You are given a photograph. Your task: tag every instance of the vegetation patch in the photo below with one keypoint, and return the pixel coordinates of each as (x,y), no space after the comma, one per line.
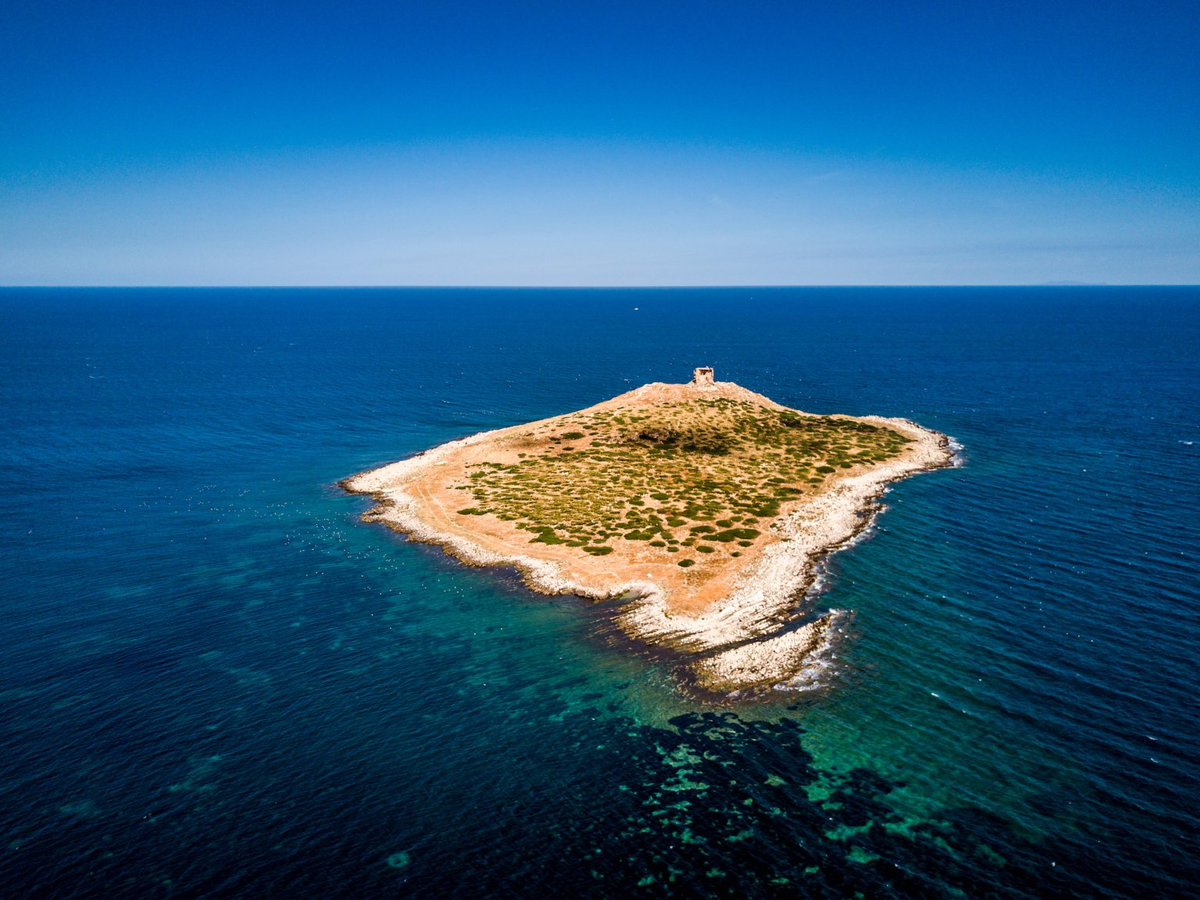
(736,534)
(708,473)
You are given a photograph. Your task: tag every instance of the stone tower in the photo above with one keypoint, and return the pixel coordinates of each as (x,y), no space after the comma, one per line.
(702,376)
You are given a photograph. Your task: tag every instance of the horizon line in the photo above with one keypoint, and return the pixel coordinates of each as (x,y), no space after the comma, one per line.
(592,287)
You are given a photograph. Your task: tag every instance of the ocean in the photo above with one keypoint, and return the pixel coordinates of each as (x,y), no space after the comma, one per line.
(215,681)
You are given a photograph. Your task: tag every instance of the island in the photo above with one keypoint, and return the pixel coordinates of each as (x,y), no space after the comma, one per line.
(702,508)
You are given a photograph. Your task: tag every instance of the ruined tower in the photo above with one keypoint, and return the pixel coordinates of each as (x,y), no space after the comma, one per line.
(702,376)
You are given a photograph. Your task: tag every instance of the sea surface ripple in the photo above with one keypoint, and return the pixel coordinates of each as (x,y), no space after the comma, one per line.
(215,681)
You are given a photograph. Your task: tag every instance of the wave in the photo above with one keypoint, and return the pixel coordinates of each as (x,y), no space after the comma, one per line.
(820,667)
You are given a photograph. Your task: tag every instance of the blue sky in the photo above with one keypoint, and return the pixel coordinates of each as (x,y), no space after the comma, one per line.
(600,143)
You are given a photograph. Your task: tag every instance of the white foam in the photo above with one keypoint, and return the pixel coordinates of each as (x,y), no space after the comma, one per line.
(957,453)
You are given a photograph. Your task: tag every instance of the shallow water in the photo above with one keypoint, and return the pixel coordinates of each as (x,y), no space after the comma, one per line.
(217,682)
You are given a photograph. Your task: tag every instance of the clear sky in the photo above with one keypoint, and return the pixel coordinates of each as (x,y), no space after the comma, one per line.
(580,143)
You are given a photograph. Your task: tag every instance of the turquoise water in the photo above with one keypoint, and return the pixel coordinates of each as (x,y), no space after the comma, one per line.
(215,681)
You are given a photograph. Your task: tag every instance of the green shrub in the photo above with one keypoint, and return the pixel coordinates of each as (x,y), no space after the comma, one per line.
(736,534)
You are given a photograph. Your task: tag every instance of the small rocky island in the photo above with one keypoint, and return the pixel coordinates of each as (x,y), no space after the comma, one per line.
(702,507)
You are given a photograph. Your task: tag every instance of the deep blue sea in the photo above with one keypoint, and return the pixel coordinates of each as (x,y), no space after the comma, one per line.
(216,682)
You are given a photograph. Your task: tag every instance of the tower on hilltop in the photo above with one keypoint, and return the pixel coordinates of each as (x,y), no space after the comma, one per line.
(702,375)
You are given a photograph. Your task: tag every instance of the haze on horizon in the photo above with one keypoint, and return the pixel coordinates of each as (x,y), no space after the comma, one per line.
(600,144)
